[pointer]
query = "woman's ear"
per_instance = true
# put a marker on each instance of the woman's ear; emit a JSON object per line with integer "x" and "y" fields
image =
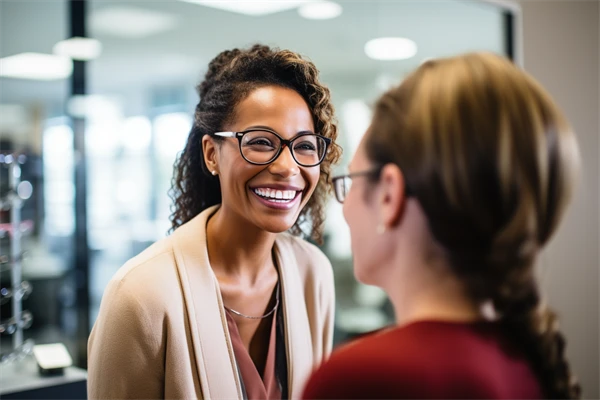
{"x": 391, "y": 195}
{"x": 210, "y": 151}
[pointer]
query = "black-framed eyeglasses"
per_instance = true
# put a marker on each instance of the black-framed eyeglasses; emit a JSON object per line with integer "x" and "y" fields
{"x": 263, "y": 146}
{"x": 342, "y": 183}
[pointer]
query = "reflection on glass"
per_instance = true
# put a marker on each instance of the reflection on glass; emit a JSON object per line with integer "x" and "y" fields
{"x": 171, "y": 131}
{"x": 171, "y": 134}
{"x": 59, "y": 192}
{"x": 136, "y": 135}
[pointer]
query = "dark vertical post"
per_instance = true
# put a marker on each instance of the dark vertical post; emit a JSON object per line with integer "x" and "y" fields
{"x": 81, "y": 260}
{"x": 509, "y": 34}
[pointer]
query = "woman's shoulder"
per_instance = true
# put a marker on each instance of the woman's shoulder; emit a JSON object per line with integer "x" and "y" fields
{"x": 151, "y": 271}
{"x": 373, "y": 366}
{"x": 428, "y": 344}
{"x": 431, "y": 359}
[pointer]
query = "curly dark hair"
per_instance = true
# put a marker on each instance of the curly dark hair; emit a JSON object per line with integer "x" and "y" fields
{"x": 491, "y": 160}
{"x": 231, "y": 77}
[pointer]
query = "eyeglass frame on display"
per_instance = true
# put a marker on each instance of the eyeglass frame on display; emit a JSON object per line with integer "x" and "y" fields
{"x": 282, "y": 142}
{"x": 19, "y": 353}
{"x": 10, "y": 325}
{"x": 19, "y": 294}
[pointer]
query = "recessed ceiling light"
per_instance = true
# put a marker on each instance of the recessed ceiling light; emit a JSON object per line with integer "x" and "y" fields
{"x": 78, "y": 48}
{"x": 252, "y": 7}
{"x": 390, "y": 48}
{"x": 130, "y": 22}
{"x": 320, "y": 10}
{"x": 38, "y": 66}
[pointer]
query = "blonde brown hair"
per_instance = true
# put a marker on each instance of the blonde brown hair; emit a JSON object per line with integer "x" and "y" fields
{"x": 231, "y": 77}
{"x": 492, "y": 162}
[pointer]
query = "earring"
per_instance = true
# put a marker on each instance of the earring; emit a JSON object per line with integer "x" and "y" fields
{"x": 381, "y": 229}
{"x": 214, "y": 173}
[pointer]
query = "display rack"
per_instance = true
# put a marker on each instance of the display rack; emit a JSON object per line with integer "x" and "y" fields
{"x": 12, "y": 201}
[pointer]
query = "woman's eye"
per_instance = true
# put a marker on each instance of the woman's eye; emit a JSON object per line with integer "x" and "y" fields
{"x": 307, "y": 146}
{"x": 260, "y": 142}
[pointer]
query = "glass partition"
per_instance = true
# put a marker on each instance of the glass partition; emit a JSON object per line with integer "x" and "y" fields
{"x": 138, "y": 111}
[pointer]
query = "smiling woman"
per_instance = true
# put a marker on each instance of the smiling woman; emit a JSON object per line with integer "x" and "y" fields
{"x": 230, "y": 305}
{"x": 262, "y": 163}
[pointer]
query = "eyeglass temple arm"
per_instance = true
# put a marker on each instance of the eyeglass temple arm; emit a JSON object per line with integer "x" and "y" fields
{"x": 225, "y": 134}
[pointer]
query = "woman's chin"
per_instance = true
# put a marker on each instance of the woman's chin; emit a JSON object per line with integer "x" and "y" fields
{"x": 278, "y": 224}
{"x": 363, "y": 276}
{"x": 278, "y": 228}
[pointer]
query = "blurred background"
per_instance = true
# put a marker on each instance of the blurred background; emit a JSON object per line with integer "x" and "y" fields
{"x": 98, "y": 96}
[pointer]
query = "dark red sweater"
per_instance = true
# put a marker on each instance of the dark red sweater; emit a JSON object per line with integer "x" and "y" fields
{"x": 427, "y": 359}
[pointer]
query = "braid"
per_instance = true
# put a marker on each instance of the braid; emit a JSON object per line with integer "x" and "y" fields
{"x": 515, "y": 294}
{"x": 534, "y": 326}
{"x": 503, "y": 272}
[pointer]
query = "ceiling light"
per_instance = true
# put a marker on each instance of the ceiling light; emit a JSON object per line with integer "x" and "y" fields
{"x": 131, "y": 22}
{"x": 390, "y": 48}
{"x": 45, "y": 67}
{"x": 320, "y": 10}
{"x": 78, "y": 48}
{"x": 252, "y": 7}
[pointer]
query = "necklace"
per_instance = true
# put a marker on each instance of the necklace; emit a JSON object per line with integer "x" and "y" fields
{"x": 262, "y": 316}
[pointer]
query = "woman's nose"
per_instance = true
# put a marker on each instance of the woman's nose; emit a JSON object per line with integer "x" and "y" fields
{"x": 285, "y": 165}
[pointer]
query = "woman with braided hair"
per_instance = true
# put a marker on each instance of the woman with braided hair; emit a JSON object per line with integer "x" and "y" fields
{"x": 459, "y": 182}
{"x": 234, "y": 304}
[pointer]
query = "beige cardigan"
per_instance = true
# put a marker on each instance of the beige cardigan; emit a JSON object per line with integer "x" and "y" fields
{"x": 162, "y": 332}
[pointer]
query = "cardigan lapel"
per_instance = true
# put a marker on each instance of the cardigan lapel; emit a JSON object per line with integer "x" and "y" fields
{"x": 297, "y": 330}
{"x": 218, "y": 375}
{"x": 212, "y": 347}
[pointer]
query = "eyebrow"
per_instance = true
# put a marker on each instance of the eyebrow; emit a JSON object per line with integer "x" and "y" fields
{"x": 271, "y": 129}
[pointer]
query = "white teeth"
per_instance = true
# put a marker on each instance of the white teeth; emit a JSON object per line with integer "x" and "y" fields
{"x": 283, "y": 195}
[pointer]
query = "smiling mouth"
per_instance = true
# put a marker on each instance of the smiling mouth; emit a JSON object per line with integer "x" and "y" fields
{"x": 277, "y": 196}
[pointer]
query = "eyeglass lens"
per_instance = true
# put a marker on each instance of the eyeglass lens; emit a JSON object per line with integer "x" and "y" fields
{"x": 341, "y": 188}
{"x": 262, "y": 147}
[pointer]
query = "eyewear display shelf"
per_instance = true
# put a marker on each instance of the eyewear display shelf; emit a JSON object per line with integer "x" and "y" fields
{"x": 20, "y": 376}
{"x": 22, "y": 380}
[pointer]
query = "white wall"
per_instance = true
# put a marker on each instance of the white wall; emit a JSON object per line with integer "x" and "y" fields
{"x": 561, "y": 49}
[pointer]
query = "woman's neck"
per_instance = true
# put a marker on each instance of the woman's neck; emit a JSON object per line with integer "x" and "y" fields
{"x": 426, "y": 293}
{"x": 437, "y": 306}
{"x": 418, "y": 278}
{"x": 237, "y": 249}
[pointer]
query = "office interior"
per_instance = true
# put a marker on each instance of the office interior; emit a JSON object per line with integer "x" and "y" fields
{"x": 97, "y": 98}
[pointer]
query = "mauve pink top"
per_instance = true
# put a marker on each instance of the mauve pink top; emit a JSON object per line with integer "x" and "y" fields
{"x": 256, "y": 387}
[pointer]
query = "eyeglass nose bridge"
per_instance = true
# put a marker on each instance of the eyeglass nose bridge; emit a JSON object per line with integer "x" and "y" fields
{"x": 285, "y": 143}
